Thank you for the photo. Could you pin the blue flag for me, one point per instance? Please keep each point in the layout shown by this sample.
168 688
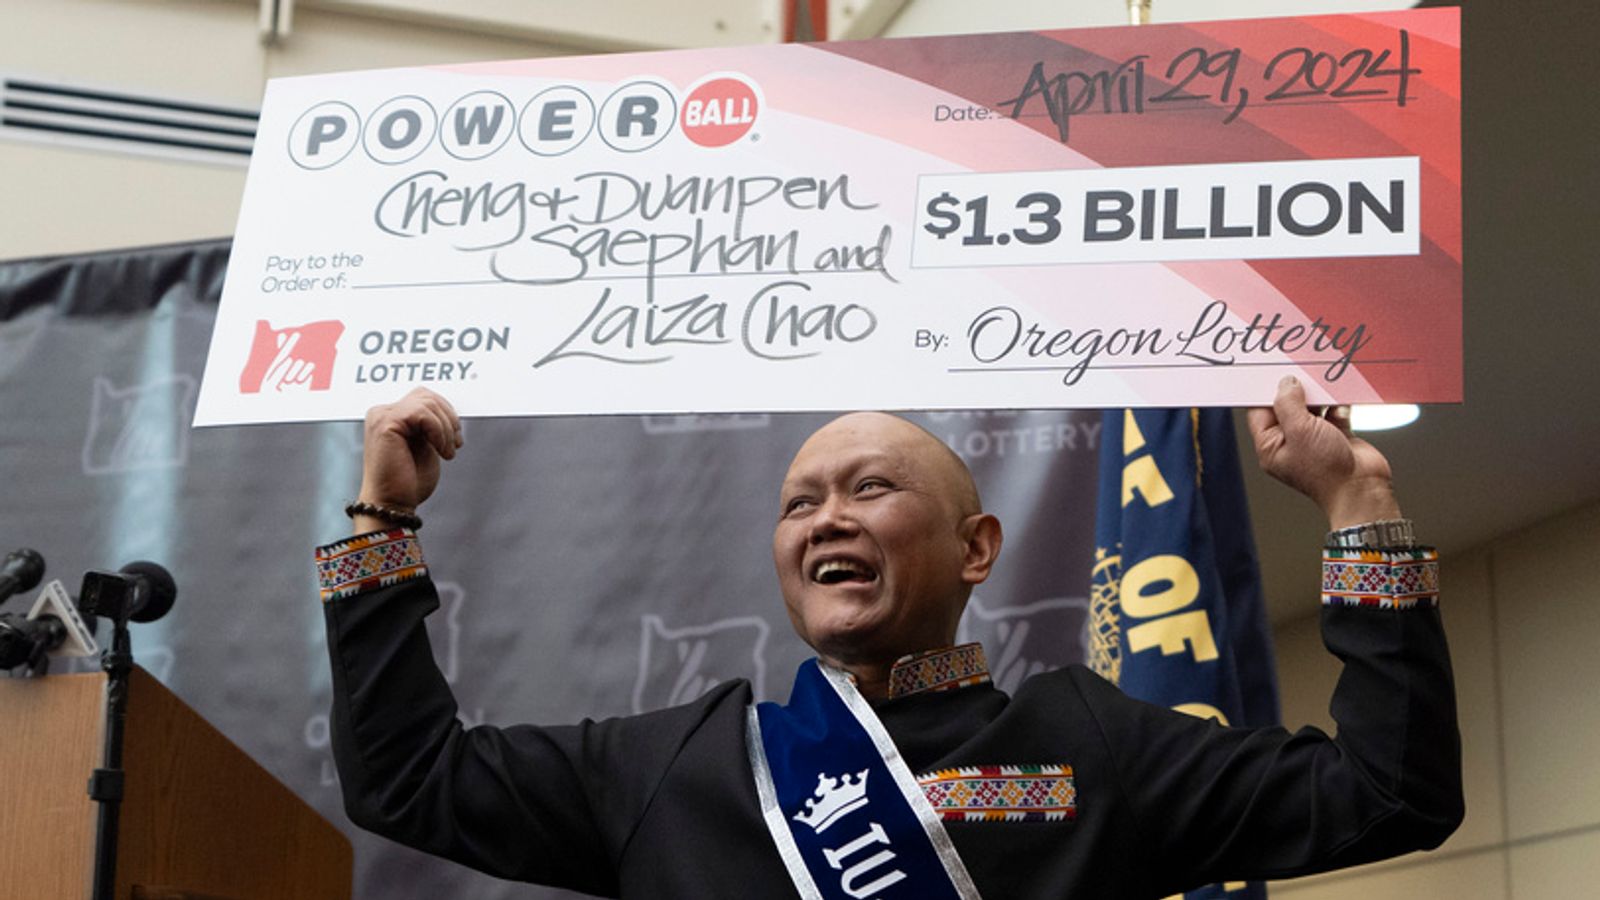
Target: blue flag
1176 611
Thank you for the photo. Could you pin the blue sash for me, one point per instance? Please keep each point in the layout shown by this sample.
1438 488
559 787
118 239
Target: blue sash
849 818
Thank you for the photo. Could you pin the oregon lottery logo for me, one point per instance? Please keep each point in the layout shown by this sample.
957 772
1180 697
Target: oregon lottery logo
715 111
297 358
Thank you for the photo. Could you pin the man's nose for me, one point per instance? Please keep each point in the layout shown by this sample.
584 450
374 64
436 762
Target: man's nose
832 520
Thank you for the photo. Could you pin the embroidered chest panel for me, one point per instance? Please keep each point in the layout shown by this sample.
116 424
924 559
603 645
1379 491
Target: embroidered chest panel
1002 793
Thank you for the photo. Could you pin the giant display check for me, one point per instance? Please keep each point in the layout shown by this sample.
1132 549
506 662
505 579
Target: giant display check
1163 215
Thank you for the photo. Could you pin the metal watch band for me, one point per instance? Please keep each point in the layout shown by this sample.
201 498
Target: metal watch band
1384 533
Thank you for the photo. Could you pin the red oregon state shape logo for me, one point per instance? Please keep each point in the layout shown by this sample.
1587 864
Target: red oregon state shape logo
719 110
299 357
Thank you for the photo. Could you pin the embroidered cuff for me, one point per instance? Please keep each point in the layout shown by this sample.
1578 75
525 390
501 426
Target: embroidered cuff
1002 793
1385 579
368 561
938 670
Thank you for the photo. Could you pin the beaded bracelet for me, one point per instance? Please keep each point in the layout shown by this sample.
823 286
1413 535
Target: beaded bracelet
392 516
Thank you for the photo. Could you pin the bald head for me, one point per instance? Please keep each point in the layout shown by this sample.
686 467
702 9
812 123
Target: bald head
948 473
880 539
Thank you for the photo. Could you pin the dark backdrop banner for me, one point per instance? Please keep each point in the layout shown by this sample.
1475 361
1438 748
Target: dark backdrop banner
588 566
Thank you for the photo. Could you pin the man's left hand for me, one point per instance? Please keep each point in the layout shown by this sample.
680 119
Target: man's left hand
1318 456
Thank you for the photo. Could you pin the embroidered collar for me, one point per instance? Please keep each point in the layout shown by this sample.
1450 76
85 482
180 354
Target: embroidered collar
938 670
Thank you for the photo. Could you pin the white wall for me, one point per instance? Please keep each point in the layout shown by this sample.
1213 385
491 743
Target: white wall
927 17
67 199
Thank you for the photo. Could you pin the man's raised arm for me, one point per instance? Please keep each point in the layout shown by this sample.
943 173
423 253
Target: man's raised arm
553 805
1236 803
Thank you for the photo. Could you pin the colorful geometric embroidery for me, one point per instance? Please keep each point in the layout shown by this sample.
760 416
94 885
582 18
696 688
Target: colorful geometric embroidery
938 670
369 561
1380 579
1002 793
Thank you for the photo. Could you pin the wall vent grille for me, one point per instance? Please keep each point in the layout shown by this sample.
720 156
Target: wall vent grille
33 109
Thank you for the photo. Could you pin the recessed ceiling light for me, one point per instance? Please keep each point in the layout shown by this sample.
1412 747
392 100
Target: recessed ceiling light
1382 416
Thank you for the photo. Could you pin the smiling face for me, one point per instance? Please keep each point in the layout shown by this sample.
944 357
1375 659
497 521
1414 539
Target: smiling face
879 541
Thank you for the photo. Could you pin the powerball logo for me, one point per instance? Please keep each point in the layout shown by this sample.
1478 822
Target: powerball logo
297 358
719 110
716 111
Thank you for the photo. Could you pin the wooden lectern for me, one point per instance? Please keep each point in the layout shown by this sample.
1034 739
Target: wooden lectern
200 819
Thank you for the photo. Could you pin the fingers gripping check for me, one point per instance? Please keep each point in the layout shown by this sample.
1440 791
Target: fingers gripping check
1317 455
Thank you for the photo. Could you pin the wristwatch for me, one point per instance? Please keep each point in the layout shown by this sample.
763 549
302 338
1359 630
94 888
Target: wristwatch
1385 534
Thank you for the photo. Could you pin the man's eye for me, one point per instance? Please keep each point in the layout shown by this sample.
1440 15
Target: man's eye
797 505
872 485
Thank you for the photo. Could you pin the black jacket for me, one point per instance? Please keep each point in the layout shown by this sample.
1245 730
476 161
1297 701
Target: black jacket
663 805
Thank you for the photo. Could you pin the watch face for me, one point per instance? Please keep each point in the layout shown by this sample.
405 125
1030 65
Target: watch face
1396 533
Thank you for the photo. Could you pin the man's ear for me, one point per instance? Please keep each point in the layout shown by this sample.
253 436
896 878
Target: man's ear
983 538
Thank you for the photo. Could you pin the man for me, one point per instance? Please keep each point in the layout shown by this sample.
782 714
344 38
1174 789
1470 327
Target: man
897 769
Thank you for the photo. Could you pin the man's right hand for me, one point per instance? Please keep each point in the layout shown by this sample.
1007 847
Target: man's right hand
402 447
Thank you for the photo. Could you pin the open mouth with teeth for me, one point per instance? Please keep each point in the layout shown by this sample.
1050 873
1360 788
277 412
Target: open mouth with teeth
842 571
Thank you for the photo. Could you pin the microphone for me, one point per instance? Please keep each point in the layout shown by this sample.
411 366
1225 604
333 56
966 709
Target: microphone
22 570
138 592
52 627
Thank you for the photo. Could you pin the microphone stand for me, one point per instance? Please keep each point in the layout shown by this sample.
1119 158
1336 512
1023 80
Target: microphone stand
106 784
